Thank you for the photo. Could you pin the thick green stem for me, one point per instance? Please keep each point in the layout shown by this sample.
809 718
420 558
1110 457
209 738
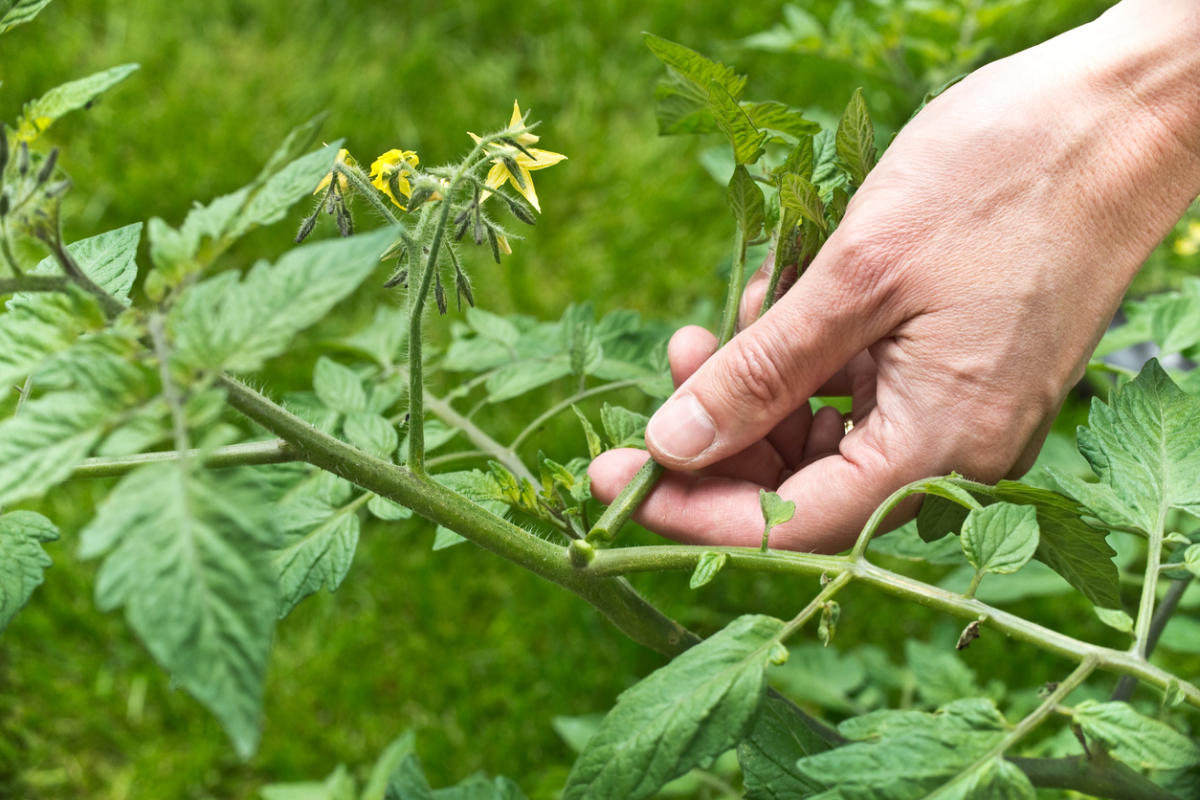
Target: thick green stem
733 295
275 451
1098 776
1162 615
616 599
625 503
1145 615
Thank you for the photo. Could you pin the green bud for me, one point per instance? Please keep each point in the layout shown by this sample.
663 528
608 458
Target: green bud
306 227
47 167
439 293
23 159
520 210
580 552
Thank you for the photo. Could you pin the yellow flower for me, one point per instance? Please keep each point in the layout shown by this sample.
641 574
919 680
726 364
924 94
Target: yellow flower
502 243
343 157
523 162
390 172
1188 244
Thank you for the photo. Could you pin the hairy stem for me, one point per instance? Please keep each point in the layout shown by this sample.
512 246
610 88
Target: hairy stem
368 192
1162 615
827 592
625 503
733 294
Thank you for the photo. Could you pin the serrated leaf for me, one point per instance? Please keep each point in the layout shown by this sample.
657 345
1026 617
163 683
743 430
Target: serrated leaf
624 428
18 12
746 200
800 161
50 437
387 763
384 338
187 559
338 386
585 350
748 141
492 326
856 139
316 548
36 329
707 568
386 510
995 779
1000 538
693 709
694 67
224 323
1138 740
903 755
778 117
797 194
775 510
1144 444
594 445
22 559
682 99
408 781
109 259
768 755
520 377
40 114
372 434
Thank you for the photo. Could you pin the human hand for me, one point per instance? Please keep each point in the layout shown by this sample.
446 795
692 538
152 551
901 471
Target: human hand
958 301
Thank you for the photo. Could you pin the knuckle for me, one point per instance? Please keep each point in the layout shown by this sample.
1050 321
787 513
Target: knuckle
755 371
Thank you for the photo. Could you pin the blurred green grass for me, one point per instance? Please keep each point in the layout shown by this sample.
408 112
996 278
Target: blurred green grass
470 652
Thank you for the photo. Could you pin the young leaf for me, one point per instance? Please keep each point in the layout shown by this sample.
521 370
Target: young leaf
800 161
707 568
1138 740
387 764
775 511
317 547
109 259
22 560
746 200
408 782
694 67
778 117
799 195
40 114
768 755
623 427
187 558
338 387
1000 538
695 708
748 141
18 12
1115 618
594 445
224 323
856 139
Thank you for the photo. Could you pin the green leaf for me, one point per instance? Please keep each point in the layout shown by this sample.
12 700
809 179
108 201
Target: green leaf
746 200
384 339
797 194
594 445
995 779
1000 538
800 161
905 754
386 510
768 755
49 438
1138 740
775 511
585 350
1144 444
1115 618
1191 559
493 326
707 568
856 139
778 117
40 114
693 709
694 67
224 323
520 377
316 549
338 386
388 762
623 427
682 104
109 259
748 141
18 12
22 560
187 557
35 329
408 781
372 434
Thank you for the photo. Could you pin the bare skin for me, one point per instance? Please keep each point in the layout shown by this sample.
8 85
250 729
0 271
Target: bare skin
958 301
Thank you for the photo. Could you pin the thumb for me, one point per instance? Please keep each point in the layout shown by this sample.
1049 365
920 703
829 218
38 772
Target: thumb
836 310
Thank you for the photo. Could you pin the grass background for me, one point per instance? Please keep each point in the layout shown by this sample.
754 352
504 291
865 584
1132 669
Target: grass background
468 651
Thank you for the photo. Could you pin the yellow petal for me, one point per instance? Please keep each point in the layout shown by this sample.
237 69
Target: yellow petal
541 159
527 191
502 243
516 117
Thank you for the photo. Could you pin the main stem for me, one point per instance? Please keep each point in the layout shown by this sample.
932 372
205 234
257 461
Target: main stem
733 295
1145 616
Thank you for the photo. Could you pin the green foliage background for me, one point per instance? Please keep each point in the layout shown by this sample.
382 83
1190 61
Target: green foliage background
466 650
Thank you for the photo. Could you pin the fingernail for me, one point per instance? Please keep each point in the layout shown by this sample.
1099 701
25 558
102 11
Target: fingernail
681 429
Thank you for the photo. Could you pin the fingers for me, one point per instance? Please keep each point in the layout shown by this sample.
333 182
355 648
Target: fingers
747 388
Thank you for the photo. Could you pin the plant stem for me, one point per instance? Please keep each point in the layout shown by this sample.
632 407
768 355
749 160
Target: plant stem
1162 616
1145 616
625 503
478 437
33 283
830 589
627 560
877 517
733 295
974 585
1099 776
366 190
110 305
616 599
570 401
170 392
275 451
1031 721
